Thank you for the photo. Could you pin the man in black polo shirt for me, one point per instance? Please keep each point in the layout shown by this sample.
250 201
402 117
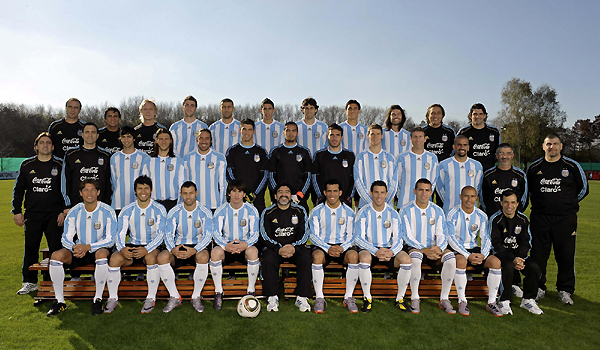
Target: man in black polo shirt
66 132
556 186
108 136
483 138
144 139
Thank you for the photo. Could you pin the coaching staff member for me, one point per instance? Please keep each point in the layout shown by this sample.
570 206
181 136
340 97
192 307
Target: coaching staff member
556 185
283 234
39 182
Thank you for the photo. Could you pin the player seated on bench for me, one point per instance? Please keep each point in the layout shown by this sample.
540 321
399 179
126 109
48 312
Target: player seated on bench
465 223
235 233
94 223
424 225
145 221
332 226
378 234
187 234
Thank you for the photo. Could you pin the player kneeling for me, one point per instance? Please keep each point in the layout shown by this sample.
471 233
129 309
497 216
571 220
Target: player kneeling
332 224
145 221
465 222
378 234
94 224
236 232
188 232
424 225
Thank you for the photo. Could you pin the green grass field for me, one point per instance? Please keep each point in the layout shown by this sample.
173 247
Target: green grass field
25 326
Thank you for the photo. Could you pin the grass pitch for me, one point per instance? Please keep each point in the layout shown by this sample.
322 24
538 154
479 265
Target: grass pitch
25 326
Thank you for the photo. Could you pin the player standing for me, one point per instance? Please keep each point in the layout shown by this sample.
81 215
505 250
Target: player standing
227 129
167 171
39 183
311 131
89 230
354 133
186 130
269 132
396 140
556 186
144 220
144 140
483 138
188 233
439 137
66 132
108 136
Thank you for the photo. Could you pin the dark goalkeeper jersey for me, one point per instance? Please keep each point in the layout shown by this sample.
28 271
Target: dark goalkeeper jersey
556 188
81 164
248 164
39 182
65 136
439 141
495 181
482 144
328 165
291 165
109 140
144 140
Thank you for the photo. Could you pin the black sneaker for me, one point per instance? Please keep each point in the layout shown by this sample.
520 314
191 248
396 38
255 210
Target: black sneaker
56 308
402 305
97 307
366 305
218 301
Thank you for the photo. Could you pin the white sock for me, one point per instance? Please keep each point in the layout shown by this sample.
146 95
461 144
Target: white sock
216 271
460 281
447 275
403 278
351 279
57 276
114 279
364 273
253 267
100 275
415 274
317 276
168 277
200 275
153 279
493 284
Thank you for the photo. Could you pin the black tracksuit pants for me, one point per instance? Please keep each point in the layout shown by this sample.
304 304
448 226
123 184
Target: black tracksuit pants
270 271
530 282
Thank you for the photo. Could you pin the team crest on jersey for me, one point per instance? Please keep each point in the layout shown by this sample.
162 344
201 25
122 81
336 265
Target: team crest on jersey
345 163
384 164
135 165
431 221
233 133
274 134
517 230
170 167
256 158
54 172
97 225
151 222
79 132
471 173
342 220
196 133
403 143
100 161
243 222
197 224
492 137
564 173
474 227
427 166
387 224
294 220
514 183
298 158
317 135
444 137
211 165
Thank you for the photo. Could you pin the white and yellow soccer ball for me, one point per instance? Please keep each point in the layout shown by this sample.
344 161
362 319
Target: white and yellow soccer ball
248 307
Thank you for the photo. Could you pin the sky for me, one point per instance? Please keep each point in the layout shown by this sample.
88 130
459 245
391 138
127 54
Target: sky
411 53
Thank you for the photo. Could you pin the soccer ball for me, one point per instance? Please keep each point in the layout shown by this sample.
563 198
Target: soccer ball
248 307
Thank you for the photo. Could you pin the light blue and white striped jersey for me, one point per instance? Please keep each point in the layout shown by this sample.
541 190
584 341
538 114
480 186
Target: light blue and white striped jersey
354 137
369 167
374 230
208 173
124 169
96 228
167 174
184 136
424 228
411 167
146 226
332 226
453 176
313 136
231 224
189 227
395 142
224 135
268 136
463 229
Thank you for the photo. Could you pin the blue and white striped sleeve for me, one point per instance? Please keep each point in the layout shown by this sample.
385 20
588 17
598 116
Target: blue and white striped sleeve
486 239
397 242
360 230
122 227
207 231
407 233
451 231
218 223
315 230
253 226
109 233
441 230
170 230
160 229
69 232
359 184
349 241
